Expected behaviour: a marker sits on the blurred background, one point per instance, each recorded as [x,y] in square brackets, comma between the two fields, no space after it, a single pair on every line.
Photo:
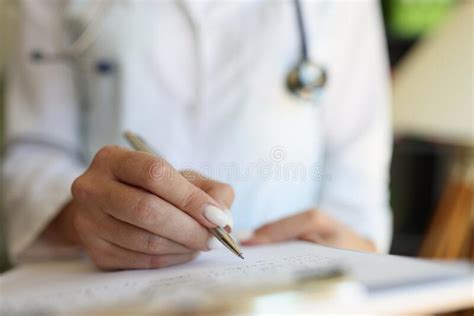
[430,45]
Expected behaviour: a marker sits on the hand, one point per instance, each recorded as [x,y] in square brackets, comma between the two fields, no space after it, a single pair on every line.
[132,210]
[313,226]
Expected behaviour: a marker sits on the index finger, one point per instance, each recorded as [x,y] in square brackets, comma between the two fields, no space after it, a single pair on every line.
[157,176]
[221,192]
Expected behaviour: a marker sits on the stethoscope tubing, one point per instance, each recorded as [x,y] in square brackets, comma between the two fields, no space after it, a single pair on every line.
[306,80]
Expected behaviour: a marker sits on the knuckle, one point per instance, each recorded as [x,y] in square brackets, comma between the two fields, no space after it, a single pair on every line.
[192,199]
[80,188]
[157,262]
[104,153]
[144,209]
[153,243]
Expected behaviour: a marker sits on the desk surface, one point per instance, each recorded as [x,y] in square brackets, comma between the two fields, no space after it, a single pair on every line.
[376,283]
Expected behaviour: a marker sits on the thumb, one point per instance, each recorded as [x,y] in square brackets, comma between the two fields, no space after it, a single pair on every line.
[222,193]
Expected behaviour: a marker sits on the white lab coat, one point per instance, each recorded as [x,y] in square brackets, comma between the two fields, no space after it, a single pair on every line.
[204,83]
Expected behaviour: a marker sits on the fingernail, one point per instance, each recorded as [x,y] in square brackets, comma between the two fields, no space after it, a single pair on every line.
[217,216]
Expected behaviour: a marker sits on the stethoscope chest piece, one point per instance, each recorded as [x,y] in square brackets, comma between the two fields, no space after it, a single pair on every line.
[307,80]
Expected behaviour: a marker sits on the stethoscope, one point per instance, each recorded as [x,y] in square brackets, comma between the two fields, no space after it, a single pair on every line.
[306,80]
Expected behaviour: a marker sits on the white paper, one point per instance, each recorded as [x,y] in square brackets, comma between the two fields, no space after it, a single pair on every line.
[77,285]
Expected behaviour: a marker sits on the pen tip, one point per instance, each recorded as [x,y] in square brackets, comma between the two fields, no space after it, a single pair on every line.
[241,257]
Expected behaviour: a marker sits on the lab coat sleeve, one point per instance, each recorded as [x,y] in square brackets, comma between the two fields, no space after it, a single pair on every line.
[358,129]
[41,128]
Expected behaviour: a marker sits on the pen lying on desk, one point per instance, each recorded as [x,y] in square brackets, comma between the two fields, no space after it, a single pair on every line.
[221,234]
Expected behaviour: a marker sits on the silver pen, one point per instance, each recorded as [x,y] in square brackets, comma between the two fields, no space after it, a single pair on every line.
[221,234]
